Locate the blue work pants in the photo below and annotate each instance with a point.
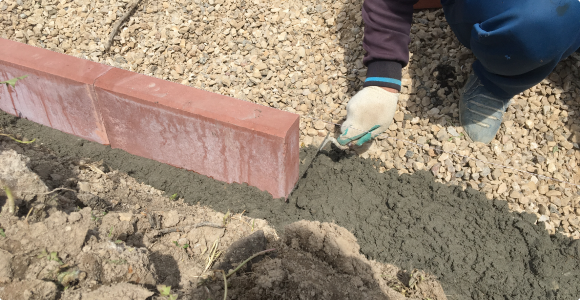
(517, 43)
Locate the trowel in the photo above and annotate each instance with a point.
(327, 139)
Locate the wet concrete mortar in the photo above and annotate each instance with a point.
(477, 248)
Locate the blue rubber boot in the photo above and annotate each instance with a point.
(480, 112)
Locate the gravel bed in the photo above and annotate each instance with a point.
(306, 57)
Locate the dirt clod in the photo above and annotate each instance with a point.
(317, 261)
(118, 291)
(241, 250)
(16, 174)
(29, 290)
(170, 219)
(5, 266)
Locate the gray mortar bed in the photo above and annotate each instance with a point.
(476, 247)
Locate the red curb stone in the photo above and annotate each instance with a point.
(58, 91)
(218, 136)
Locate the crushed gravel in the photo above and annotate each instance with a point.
(306, 57)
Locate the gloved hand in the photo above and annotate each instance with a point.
(368, 114)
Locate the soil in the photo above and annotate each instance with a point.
(103, 235)
(476, 248)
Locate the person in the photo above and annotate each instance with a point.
(516, 44)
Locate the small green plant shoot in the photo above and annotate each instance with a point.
(11, 203)
(17, 140)
(226, 218)
(50, 256)
(12, 82)
(165, 291)
(118, 261)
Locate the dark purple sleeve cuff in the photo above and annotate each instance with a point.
(387, 29)
(384, 73)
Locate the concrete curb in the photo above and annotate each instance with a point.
(218, 136)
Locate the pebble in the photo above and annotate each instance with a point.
(282, 36)
(502, 188)
(529, 124)
(324, 88)
(256, 73)
(452, 131)
(485, 171)
(542, 209)
(433, 112)
(402, 153)
(567, 145)
(508, 147)
(543, 218)
(449, 146)
(319, 125)
(496, 174)
(442, 135)
(435, 169)
(553, 208)
(399, 116)
(418, 165)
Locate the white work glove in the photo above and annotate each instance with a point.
(368, 114)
